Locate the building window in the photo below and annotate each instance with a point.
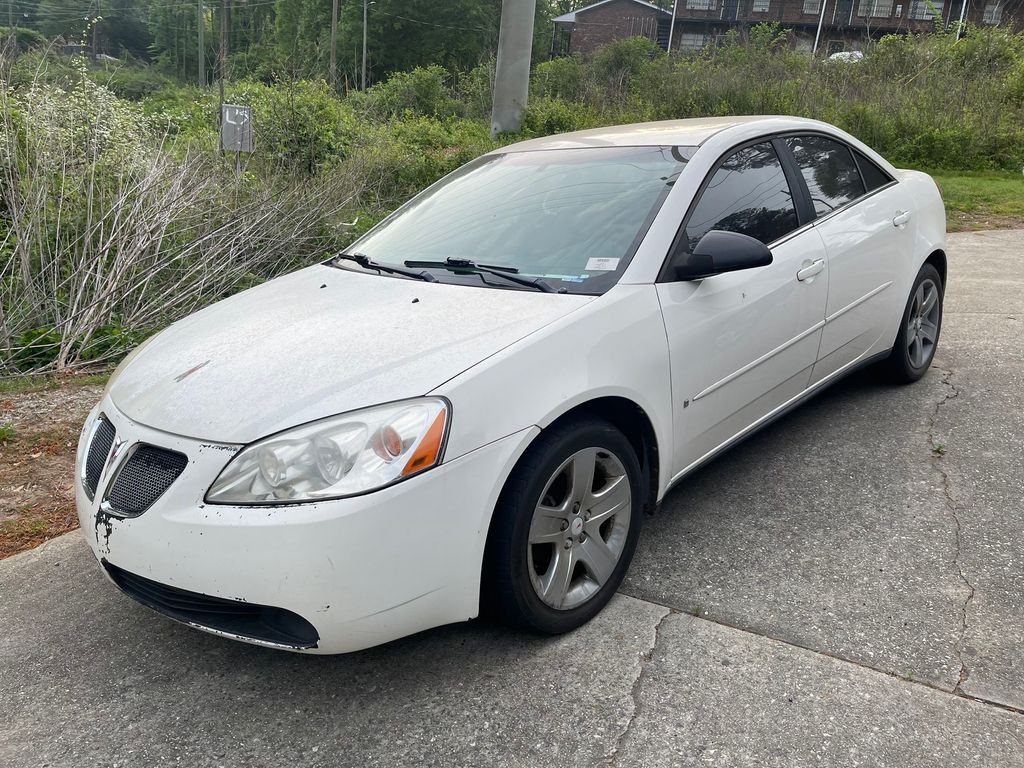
(700, 5)
(760, 6)
(691, 41)
(924, 10)
(878, 8)
(993, 13)
(812, 6)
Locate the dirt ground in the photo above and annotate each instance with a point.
(37, 462)
(963, 221)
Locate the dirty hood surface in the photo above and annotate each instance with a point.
(319, 342)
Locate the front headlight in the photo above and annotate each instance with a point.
(339, 456)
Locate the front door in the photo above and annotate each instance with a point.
(742, 344)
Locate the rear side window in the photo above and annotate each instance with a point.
(874, 177)
(748, 194)
(828, 169)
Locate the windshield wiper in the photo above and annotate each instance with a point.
(366, 262)
(508, 273)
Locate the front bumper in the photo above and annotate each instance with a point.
(361, 571)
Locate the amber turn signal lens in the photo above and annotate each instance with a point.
(429, 449)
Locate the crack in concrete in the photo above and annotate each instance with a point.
(937, 453)
(896, 676)
(645, 658)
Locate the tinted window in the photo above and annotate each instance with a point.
(874, 177)
(829, 170)
(747, 194)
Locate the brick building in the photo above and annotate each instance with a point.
(845, 24)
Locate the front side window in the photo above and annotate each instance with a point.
(828, 169)
(748, 194)
(573, 217)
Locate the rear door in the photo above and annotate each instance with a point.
(865, 225)
(743, 343)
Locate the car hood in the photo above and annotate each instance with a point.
(315, 343)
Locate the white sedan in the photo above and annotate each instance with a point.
(473, 407)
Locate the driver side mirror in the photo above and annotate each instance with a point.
(719, 251)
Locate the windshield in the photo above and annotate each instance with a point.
(573, 217)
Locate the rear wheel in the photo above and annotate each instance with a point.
(565, 528)
(919, 330)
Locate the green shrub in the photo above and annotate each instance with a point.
(35, 348)
(300, 125)
(547, 115)
(27, 39)
(421, 91)
(562, 78)
(133, 83)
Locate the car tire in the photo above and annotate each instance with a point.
(544, 568)
(918, 336)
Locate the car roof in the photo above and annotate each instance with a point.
(691, 132)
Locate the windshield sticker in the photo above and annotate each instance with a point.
(602, 265)
(573, 279)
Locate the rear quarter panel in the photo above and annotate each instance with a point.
(930, 214)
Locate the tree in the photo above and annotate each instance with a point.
(122, 26)
(403, 34)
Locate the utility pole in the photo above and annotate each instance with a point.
(821, 21)
(512, 74)
(960, 26)
(672, 25)
(363, 84)
(202, 45)
(332, 71)
(222, 63)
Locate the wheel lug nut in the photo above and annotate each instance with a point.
(583, 537)
(568, 543)
(586, 515)
(565, 525)
(576, 508)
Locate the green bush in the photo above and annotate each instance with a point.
(421, 91)
(563, 78)
(35, 348)
(27, 39)
(300, 125)
(133, 82)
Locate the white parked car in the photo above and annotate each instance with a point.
(473, 408)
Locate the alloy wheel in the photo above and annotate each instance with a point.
(923, 323)
(579, 528)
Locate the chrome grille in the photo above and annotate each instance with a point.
(145, 475)
(99, 450)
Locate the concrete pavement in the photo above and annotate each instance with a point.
(843, 589)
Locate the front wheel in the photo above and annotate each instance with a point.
(919, 330)
(564, 529)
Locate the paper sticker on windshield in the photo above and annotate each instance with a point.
(602, 265)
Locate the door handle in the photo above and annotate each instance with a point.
(901, 218)
(809, 269)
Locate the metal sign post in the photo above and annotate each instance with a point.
(236, 130)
